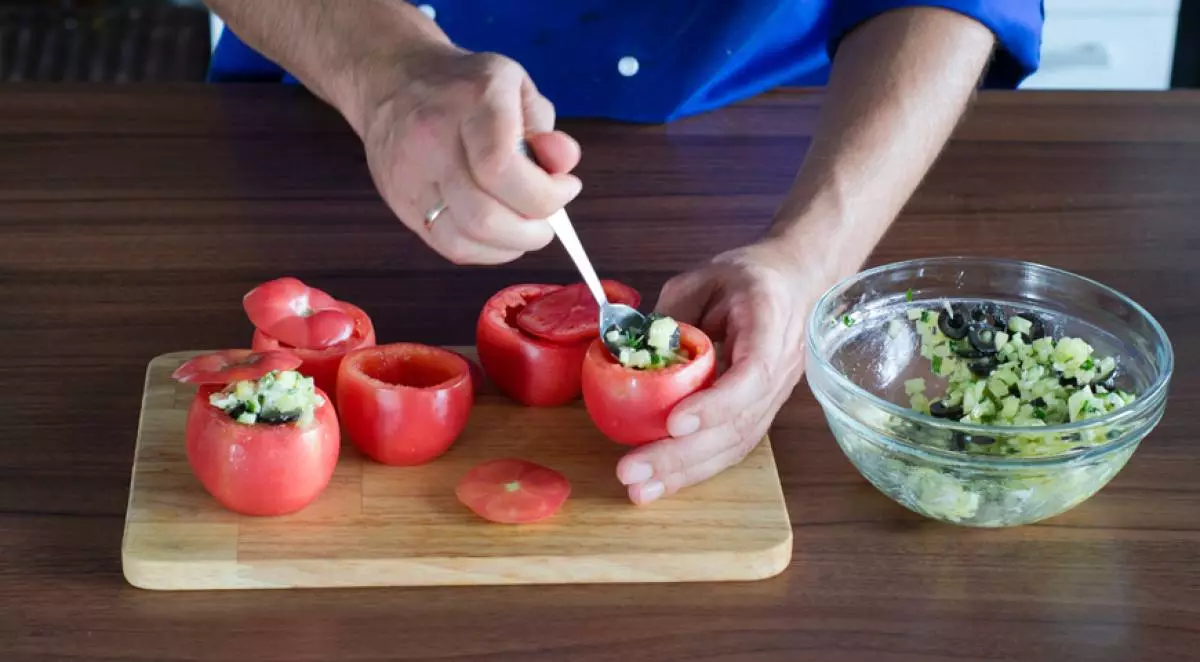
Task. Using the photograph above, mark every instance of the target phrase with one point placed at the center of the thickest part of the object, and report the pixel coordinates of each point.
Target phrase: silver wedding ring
(432, 215)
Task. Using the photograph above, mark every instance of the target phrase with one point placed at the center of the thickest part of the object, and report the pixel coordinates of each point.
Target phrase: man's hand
(756, 300)
(446, 130)
(899, 84)
(440, 125)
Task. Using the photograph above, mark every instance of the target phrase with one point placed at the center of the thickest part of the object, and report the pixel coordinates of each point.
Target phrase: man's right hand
(443, 126)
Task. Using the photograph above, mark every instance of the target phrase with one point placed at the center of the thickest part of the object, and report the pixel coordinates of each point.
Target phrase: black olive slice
(983, 339)
(991, 314)
(1110, 382)
(1037, 330)
(983, 367)
(959, 441)
(954, 326)
(279, 417)
(964, 349)
(982, 441)
(940, 409)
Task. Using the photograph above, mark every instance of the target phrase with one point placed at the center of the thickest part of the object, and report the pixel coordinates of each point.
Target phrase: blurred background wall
(1088, 44)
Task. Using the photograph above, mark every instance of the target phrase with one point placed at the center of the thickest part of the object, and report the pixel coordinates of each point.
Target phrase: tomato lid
(570, 314)
(513, 491)
(234, 365)
(298, 315)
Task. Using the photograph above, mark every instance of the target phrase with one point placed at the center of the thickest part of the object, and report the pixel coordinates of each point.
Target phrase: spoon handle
(561, 224)
(565, 232)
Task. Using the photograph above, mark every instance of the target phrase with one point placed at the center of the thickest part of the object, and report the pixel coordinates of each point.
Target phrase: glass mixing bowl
(862, 347)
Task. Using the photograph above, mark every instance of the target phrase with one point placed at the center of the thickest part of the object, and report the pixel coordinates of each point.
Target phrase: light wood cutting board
(377, 525)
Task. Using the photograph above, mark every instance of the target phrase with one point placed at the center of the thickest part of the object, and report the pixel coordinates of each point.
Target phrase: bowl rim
(1140, 406)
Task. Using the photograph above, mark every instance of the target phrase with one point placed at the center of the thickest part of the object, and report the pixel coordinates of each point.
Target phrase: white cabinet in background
(1107, 45)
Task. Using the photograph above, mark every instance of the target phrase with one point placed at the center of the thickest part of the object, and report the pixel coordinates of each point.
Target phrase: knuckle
(424, 124)
(498, 67)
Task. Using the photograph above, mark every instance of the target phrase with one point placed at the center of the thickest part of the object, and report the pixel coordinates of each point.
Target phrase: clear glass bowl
(859, 358)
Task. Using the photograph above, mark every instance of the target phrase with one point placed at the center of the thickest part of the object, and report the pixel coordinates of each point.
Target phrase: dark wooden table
(131, 222)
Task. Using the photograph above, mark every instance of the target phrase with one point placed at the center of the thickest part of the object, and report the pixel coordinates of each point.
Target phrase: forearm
(898, 87)
(335, 48)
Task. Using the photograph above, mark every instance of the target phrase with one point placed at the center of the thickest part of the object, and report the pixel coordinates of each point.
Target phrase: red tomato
(232, 365)
(513, 491)
(261, 469)
(476, 372)
(570, 314)
(404, 403)
(532, 371)
(297, 315)
(322, 364)
(631, 406)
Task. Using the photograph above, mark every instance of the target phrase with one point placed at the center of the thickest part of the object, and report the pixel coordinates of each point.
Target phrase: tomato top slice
(298, 315)
(233, 365)
(570, 314)
(513, 491)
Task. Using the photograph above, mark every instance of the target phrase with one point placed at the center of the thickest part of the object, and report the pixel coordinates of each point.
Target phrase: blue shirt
(659, 60)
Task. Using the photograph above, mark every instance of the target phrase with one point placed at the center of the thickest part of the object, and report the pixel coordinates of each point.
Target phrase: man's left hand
(756, 301)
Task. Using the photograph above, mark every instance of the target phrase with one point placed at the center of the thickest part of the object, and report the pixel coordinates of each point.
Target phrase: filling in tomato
(653, 346)
(277, 397)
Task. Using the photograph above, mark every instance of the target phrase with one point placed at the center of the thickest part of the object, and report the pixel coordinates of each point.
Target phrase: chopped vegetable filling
(655, 346)
(1006, 371)
(277, 397)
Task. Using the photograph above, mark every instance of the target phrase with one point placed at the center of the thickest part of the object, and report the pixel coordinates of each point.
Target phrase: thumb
(685, 297)
(554, 151)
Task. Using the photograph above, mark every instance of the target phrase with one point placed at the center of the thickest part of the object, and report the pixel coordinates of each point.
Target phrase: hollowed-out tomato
(404, 403)
(512, 491)
(631, 406)
(261, 469)
(541, 371)
(322, 364)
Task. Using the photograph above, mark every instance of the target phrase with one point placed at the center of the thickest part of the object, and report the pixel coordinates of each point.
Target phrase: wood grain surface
(377, 525)
(132, 220)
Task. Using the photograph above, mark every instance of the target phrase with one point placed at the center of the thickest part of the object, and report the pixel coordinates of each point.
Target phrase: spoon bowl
(621, 317)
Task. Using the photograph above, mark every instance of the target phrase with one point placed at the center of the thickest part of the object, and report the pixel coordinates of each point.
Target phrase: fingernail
(638, 472)
(650, 491)
(683, 425)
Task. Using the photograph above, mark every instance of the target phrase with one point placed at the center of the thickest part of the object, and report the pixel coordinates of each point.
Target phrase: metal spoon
(612, 315)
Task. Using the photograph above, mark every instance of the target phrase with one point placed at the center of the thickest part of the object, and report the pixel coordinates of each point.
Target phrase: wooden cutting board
(377, 525)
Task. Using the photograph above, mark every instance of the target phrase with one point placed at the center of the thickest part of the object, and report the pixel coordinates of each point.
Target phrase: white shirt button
(429, 11)
(628, 65)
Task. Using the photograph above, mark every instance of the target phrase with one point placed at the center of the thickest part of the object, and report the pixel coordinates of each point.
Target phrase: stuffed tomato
(322, 363)
(404, 403)
(629, 396)
(532, 338)
(261, 438)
